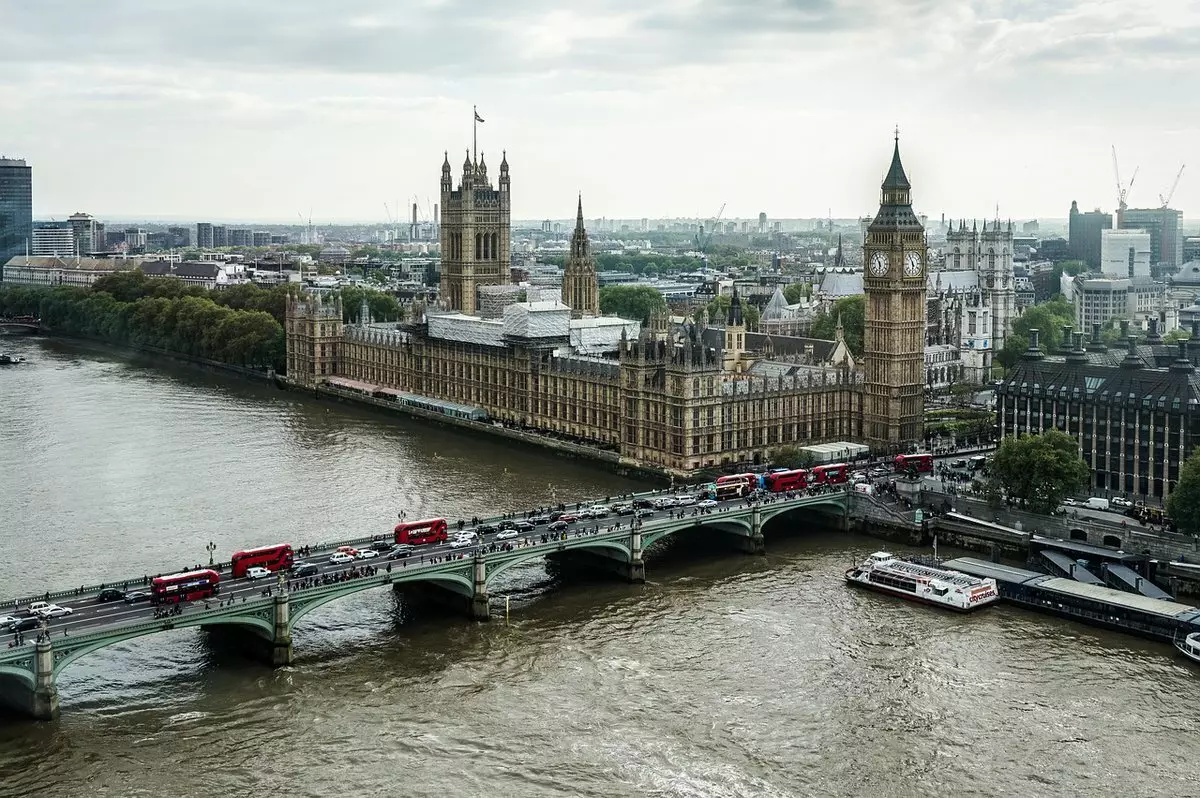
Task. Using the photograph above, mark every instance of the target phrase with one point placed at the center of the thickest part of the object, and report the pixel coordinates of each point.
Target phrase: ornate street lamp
(211, 547)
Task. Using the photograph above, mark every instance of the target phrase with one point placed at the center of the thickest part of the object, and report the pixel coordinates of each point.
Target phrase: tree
(718, 311)
(794, 292)
(853, 312)
(1177, 335)
(635, 302)
(1048, 319)
(1183, 505)
(791, 457)
(1038, 471)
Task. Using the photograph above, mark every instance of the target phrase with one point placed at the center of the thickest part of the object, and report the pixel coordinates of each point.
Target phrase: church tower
(474, 233)
(581, 287)
(998, 285)
(894, 282)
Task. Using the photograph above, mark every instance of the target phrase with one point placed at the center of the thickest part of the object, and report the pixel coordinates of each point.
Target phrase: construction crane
(1166, 200)
(702, 247)
(1122, 191)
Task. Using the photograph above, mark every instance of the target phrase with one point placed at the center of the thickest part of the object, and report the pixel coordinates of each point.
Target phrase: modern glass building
(16, 208)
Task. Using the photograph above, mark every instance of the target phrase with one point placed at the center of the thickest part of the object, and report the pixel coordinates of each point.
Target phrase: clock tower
(894, 258)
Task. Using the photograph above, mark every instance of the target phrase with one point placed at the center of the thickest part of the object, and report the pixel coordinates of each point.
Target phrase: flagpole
(475, 134)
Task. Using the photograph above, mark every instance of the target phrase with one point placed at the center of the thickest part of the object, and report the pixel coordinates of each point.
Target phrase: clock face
(879, 264)
(912, 264)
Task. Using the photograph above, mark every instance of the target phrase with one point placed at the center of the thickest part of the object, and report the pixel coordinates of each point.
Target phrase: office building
(220, 236)
(16, 207)
(204, 235)
(1165, 226)
(179, 237)
(89, 233)
(1083, 234)
(1124, 253)
(53, 238)
(260, 238)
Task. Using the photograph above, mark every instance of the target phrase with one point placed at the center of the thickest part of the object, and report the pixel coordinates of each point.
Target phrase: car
(487, 529)
(24, 624)
(1124, 504)
(642, 504)
(110, 594)
(626, 509)
(684, 501)
(303, 569)
(55, 611)
(557, 526)
(583, 514)
(665, 502)
(568, 518)
(36, 607)
(1069, 502)
(877, 472)
(642, 512)
(135, 596)
(340, 558)
(258, 572)
(541, 519)
(461, 543)
(7, 620)
(523, 526)
(381, 545)
(959, 463)
(507, 525)
(599, 512)
(401, 550)
(467, 534)
(707, 503)
(366, 554)
(507, 534)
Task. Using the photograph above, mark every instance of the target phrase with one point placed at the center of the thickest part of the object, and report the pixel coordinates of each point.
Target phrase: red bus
(732, 490)
(835, 474)
(189, 586)
(431, 530)
(750, 479)
(780, 481)
(273, 558)
(921, 463)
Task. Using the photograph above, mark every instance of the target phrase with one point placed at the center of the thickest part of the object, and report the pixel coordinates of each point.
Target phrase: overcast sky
(260, 109)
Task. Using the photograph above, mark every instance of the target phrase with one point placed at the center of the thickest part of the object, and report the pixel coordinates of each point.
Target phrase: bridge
(28, 672)
(27, 324)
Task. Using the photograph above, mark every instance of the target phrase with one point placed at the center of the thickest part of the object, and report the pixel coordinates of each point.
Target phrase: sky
(268, 110)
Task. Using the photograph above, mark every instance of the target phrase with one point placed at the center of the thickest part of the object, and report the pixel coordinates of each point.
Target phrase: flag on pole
(478, 118)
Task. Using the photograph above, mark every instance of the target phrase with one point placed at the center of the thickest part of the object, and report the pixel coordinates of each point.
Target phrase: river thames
(724, 675)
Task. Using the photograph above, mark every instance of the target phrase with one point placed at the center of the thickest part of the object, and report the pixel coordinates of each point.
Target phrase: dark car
(541, 519)
(507, 525)
(557, 526)
(487, 529)
(523, 526)
(643, 504)
(400, 550)
(136, 595)
(625, 509)
(110, 594)
(25, 624)
(382, 545)
(303, 569)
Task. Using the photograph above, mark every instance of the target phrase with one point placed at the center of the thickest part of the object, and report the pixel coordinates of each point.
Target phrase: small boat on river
(941, 587)
(11, 360)
(1189, 646)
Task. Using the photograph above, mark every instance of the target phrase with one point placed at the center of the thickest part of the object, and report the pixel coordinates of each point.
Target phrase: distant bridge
(20, 324)
(28, 672)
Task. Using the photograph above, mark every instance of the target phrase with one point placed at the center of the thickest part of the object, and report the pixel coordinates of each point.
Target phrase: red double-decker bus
(780, 481)
(431, 530)
(732, 490)
(749, 479)
(834, 474)
(273, 558)
(921, 463)
(190, 586)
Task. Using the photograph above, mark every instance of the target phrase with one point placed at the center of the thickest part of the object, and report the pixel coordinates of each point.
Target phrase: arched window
(479, 246)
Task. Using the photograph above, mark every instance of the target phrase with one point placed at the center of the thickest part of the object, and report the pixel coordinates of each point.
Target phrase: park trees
(1183, 505)
(1038, 471)
(852, 310)
(635, 302)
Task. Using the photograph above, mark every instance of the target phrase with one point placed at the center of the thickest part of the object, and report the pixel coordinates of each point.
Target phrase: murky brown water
(724, 675)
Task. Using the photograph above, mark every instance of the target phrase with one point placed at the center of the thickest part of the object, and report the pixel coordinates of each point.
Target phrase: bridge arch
(542, 550)
(305, 601)
(23, 675)
(734, 526)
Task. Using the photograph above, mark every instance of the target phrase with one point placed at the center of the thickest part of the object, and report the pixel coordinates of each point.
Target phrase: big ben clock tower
(894, 282)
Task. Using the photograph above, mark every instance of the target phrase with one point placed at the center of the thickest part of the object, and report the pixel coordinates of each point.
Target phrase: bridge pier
(636, 572)
(479, 599)
(755, 543)
(38, 701)
(281, 641)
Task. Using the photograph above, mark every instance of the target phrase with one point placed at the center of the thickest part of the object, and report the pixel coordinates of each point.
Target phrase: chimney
(1131, 361)
(1077, 354)
(1182, 365)
(1194, 344)
(1097, 342)
(414, 221)
(1033, 352)
(1065, 345)
(1125, 330)
(1152, 336)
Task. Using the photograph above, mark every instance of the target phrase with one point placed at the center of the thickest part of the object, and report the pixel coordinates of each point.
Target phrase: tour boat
(1190, 646)
(11, 360)
(888, 573)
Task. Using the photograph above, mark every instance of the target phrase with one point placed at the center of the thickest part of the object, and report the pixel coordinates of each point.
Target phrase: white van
(1095, 503)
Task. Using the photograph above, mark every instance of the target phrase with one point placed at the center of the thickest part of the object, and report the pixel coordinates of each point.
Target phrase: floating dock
(1095, 604)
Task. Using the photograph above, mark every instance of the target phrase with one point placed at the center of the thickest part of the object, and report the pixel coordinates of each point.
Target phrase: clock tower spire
(894, 282)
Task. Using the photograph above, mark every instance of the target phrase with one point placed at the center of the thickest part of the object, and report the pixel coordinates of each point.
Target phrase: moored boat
(941, 587)
(1190, 646)
(11, 360)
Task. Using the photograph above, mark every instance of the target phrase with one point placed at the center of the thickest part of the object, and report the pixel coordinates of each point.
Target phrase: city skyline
(660, 113)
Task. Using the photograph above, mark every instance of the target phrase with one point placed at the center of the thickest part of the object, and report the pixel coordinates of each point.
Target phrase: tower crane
(1166, 200)
(1122, 191)
(702, 247)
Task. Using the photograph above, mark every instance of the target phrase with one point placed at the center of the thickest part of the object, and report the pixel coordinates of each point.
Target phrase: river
(724, 675)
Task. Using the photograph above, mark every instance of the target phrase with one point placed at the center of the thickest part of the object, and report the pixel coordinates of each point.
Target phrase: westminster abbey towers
(894, 260)
(475, 229)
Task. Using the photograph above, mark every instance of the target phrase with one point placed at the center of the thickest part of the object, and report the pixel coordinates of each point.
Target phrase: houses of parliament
(676, 394)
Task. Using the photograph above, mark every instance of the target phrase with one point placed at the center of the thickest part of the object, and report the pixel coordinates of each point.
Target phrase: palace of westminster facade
(678, 396)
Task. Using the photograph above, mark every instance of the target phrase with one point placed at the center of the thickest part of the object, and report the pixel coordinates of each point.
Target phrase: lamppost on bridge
(211, 547)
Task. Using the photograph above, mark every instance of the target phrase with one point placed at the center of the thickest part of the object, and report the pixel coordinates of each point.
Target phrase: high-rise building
(53, 239)
(1125, 253)
(241, 237)
(581, 287)
(475, 241)
(762, 222)
(1165, 226)
(894, 346)
(135, 238)
(89, 234)
(204, 235)
(179, 237)
(16, 208)
(1083, 233)
(220, 235)
(260, 238)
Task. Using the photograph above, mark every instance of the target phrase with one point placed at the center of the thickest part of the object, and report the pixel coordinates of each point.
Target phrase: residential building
(89, 233)
(1083, 234)
(16, 207)
(53, 238)
(204, 235)
(240, 237)
(260, 239)
(1165, 226)
(220, 236)
(179, 237)
(1125, 253)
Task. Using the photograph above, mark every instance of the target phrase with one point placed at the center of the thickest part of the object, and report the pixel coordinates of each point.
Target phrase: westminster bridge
(261, 613)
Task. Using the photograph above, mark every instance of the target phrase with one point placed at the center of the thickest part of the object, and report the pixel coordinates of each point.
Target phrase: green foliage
(794, 292)
(130, 308)
(1183, 505)
(635, 263)
(631, 301)
(792, 457)
(1048, 319)
(1038, 471)
(1073, 267)
(853, 312)
(718, 311)
(383, 307)
(1177, 335)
